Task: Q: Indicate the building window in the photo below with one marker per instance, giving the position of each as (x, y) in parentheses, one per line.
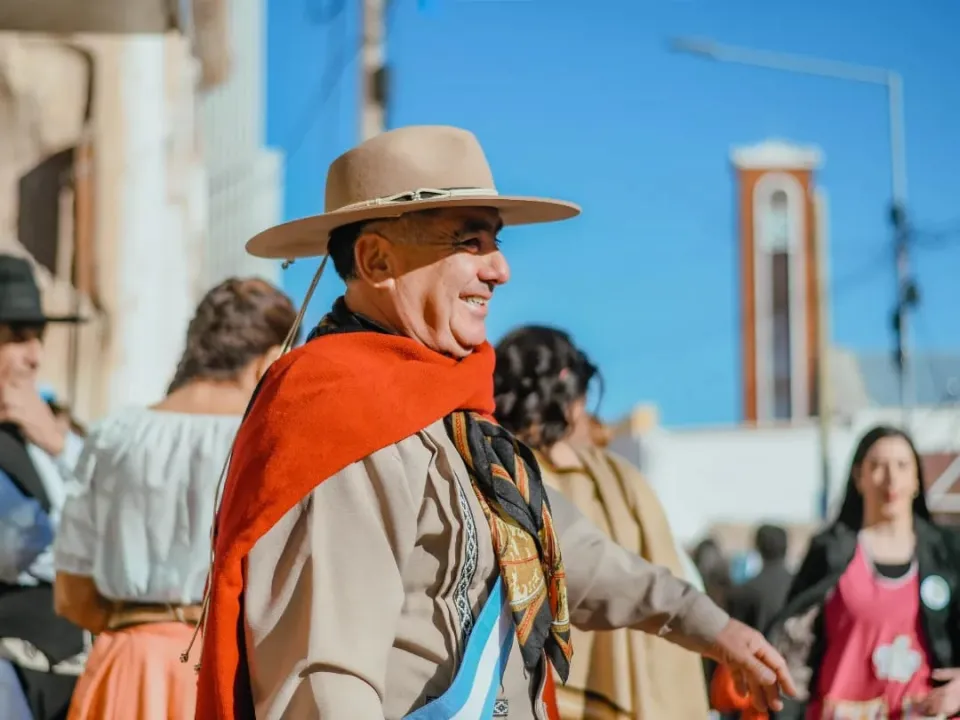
(776, 242)
(40, 220)
(777, 225)
(781, 376)
(782, 345)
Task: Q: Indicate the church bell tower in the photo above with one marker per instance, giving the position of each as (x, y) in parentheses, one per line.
(780, 236)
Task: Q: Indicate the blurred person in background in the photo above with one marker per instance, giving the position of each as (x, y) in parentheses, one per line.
(757, 601)
(871, 627)
(135, 545)
(587, 429)
(541, 384)
(714, 568)
(40, 653)
(744, 566)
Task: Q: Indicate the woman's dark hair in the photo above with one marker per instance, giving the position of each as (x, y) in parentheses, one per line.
(714, 569)
(540, 373)
(851, 512)
(236, 322)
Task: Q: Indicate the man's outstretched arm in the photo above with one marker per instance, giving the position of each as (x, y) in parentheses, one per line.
(610, 588)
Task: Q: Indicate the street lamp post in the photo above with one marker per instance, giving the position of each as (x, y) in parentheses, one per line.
(906, 291)
(805, 65)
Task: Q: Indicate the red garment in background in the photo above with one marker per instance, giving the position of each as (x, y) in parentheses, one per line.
(725, 697)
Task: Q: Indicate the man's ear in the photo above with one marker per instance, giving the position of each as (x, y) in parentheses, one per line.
(374, 259)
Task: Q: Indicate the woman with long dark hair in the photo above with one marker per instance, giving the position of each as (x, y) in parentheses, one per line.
(541, 383)
(134, 543)
(872, 621)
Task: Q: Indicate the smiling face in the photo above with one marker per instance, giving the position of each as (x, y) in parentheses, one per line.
(21, 350)
(431, 276)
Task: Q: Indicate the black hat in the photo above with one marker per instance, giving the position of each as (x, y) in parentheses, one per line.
(20, 295)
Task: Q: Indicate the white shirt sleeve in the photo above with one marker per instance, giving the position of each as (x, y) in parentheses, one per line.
(76, 541)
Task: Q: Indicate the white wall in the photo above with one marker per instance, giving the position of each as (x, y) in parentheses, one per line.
(246, 178)
(750, 475)
(155, 252)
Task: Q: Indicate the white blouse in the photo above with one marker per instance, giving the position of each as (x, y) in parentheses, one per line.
(137, 516)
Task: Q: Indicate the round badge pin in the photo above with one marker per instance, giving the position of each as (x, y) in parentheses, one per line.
(935, 592)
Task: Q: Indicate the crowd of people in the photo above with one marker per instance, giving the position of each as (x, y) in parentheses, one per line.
(395, 519)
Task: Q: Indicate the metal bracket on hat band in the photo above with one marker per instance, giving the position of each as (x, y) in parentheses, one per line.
(419, 195)
(287, 263)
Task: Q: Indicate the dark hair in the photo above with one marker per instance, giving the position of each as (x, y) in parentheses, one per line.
(342, 242)
(771, 542)
(714, 569)
(340, 247)
(851, 512)
(539, 374)
(236, 322)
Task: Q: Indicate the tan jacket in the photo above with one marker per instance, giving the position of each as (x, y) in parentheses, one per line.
(623, 674)
(359, 601)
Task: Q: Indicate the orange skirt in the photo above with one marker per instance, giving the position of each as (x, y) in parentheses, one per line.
(136, 673)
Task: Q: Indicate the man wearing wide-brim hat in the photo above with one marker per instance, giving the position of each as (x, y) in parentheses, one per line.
(40, 654)
(383, 548)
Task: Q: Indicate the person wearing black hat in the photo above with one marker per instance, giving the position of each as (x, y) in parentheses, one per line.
(37, 455)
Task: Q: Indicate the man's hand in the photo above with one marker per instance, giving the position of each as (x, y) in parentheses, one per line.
(756, 667)
(943, 701)
(21, 404)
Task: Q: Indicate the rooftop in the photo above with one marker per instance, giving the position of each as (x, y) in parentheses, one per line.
(777, 155)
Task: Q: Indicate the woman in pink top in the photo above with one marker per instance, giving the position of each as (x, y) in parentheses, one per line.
(872, 621)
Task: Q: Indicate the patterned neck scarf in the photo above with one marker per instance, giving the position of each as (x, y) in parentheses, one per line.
(506, 479)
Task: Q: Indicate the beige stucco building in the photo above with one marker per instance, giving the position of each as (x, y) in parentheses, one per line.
(245, 176)
(104, 184)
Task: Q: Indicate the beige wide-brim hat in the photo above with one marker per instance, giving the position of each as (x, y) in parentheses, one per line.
(405, 170)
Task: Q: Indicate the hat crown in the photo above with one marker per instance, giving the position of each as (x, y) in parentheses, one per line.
(19, 293)
(407, 159)
(15, 269)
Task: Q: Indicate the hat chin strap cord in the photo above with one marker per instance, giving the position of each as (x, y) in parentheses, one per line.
(285, 348)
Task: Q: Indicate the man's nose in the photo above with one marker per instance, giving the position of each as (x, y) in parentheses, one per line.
(496, 269)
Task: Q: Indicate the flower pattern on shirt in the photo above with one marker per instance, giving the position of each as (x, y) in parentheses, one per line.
(896, 662)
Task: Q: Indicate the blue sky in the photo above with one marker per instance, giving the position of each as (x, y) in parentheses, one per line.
(585, 101)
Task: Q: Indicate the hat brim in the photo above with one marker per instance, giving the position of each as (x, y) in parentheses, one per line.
(307, 237)
(41, 319)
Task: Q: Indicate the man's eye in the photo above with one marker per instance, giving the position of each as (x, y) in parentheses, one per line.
(478, 243)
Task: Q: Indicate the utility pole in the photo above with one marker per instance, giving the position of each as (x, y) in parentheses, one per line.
(907, 295)
(373, 80)
(907, 298)
(824, 395)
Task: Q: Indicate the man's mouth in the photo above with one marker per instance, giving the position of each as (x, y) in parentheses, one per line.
(476, 300)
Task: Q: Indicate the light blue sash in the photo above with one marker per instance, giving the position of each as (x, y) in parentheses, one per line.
(474, 689)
